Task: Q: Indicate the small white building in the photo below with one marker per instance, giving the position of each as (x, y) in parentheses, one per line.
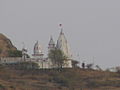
(38, 52)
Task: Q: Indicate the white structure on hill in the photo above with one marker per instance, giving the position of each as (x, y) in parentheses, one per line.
(24, 54)
(38, 53)
(63, 45)
(38, 56)
(51, 45)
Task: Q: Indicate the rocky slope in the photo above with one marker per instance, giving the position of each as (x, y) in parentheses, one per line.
(5, 46)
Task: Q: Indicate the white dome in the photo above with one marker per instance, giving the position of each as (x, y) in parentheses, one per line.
(37, 49)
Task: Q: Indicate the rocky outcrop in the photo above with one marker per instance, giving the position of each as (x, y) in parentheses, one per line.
(5, 46)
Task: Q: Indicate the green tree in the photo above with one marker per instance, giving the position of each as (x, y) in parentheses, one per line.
(15, 53)
(57, 57)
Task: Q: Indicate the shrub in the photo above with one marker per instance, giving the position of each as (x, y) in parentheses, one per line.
(15, 53)
(13, 87)
(61, 80)
(2, 87)
(27, 65)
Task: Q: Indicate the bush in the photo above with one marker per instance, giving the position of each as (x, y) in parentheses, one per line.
(27, 65)
(61, 80)
(2, 87)
(15, 53)
(12, 87)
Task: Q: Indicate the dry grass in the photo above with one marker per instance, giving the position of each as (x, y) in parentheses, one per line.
(67, 79)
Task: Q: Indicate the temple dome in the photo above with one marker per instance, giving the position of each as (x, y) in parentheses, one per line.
(37, 49)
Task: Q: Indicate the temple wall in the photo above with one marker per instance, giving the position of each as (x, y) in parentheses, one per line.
(9, 60)
(43, 64)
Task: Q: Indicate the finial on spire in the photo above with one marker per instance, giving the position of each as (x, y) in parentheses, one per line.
(60, 25)
(61, 28)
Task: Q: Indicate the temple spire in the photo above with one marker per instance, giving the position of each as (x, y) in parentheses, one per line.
(62, 43)
(51, 44)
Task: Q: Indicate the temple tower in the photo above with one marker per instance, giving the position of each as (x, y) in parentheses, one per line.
(62, 44)
(51, 45)
(38, 51)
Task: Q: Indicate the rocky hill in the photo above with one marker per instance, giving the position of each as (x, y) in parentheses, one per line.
(5, 46)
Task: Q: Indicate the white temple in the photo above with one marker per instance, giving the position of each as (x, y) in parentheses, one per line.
(51, 45)
(61, 44)
(38, 55)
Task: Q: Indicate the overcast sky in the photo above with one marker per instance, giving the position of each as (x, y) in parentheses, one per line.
(92, 27)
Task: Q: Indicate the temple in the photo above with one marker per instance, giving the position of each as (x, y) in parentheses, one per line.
(38, 55)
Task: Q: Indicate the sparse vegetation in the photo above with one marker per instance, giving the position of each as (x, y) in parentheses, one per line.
(57, 57)
(15, 53)
(27, 76)
(2, 87)
(117, 69)
(52, 79)
(89, 66)
(26, 65)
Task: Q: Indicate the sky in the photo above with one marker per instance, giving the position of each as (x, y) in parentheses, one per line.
(92, 27)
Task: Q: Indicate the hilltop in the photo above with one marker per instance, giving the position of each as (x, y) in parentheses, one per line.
(67, 79)
(5, 46)
(16, 77)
